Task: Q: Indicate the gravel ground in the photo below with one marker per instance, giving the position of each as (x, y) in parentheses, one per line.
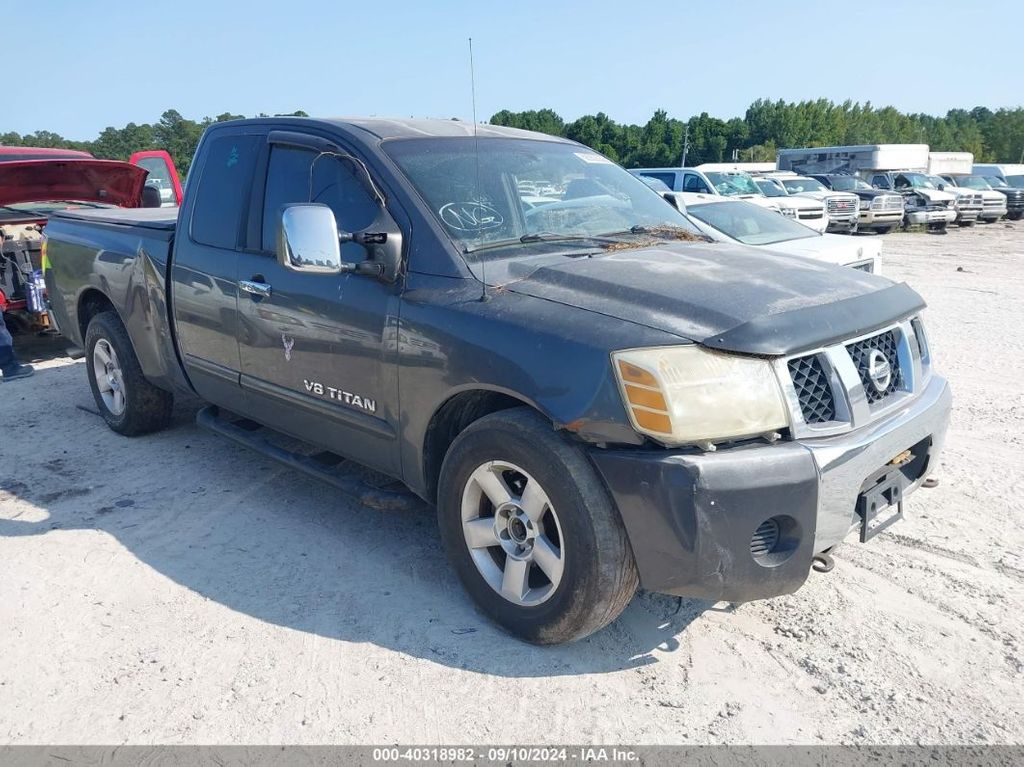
(178, 589)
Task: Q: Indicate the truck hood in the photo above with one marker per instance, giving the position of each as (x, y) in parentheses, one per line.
(832, 248)
(935, 196)
(721, 295)
(799, 202)
(85, 180)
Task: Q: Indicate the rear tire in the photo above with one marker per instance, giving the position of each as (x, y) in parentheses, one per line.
(129, 403)
(576, 573)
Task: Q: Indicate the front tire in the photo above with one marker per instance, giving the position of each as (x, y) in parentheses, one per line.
(531, 531)
(129, 403)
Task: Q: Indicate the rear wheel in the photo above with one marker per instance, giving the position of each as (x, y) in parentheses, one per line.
(531, 531)
(129, 403)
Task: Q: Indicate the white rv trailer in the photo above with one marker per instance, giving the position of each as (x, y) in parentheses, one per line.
(950, 163)
(858, 160)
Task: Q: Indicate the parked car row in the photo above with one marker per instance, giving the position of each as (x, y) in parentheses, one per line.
(847, 189)
(937, 188)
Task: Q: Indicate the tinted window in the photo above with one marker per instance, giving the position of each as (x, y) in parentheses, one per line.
(223, 190)
(692, 183)
(332, 183)
(881, 182)
(668, 179)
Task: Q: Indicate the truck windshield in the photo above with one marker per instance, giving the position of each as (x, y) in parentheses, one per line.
(769, 189)
(913, 181)
(733, 184)
(1015, 181)
(529, 194)
(849, 184)
(800, 185)
(748, 223)
(972, 182)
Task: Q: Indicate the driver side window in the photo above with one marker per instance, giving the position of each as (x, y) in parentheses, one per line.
(333, 183)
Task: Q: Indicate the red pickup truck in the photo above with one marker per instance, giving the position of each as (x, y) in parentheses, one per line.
(35, 182)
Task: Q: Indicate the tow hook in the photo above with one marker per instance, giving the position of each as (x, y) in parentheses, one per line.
(822, 562)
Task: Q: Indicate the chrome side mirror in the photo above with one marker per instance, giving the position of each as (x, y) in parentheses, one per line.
(307, 239)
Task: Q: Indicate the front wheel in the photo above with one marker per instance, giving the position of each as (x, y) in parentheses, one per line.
(129, 403)
(1015, 216)
(531, 531)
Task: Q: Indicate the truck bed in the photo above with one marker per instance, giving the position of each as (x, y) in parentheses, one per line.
(118, 256)
(147, 218)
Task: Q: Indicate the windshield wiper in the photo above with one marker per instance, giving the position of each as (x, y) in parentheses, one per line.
(533, 237)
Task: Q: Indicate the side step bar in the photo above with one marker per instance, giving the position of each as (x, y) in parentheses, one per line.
(343, 474)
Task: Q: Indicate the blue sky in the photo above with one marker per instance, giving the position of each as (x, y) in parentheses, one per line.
(97, 64)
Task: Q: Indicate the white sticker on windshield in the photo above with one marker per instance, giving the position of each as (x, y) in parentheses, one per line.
(592, 158)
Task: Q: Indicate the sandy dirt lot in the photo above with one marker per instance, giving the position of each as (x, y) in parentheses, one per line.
(178, 589)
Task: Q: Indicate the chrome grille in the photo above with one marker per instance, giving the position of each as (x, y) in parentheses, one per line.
(995, 204)
(830, 391)
(841, 205)
(813, 390)
(861, 353)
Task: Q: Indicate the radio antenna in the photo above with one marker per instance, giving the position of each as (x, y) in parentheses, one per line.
(476, 152)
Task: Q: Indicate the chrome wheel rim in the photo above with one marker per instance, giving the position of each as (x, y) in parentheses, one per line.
(513, 533)
(106, 369)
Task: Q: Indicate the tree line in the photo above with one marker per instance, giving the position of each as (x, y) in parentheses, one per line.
(767, 126)
(173, 132)
(993, 136)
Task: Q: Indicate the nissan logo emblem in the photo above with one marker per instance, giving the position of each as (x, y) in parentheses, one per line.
(879, 370)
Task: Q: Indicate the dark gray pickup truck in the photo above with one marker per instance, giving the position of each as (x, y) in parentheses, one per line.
(526, 336)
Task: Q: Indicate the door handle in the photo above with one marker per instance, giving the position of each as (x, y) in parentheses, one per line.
(261, 289)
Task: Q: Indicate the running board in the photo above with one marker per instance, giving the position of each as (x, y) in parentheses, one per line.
(361, 484)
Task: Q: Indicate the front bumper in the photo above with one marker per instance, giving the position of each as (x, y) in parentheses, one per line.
(690, 517)
(869, 217)
(945, 216)
(967, 215)
(993, 213)
(844, 223)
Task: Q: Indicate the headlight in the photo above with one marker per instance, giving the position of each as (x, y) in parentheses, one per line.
(788, 212)
(681, 395)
